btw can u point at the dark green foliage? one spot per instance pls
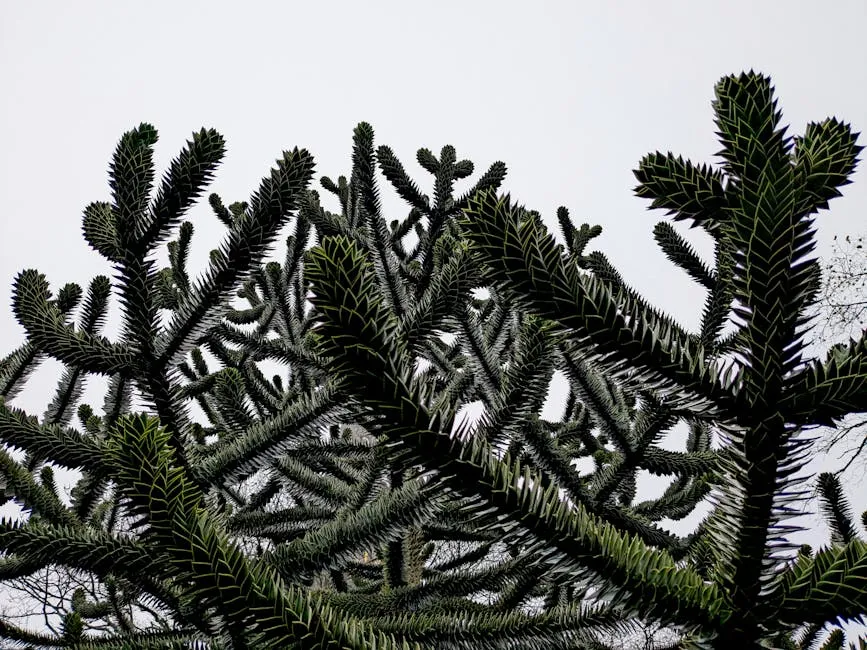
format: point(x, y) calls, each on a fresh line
point(342, 503)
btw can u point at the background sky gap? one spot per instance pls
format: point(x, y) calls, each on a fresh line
point(570, 95)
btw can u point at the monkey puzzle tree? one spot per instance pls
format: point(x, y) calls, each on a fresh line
point(345, 506)
point(747, 592)
point(287, 474)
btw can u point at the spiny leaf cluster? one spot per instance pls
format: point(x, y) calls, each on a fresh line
point(347, 502)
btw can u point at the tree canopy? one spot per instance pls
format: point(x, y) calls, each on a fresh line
point(344, 502)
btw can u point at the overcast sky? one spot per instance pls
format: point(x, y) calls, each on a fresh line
point(569, 94)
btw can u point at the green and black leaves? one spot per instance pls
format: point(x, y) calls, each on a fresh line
point(757, 208)
point(329, 490)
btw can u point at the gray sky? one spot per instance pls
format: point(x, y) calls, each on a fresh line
point(569, 94)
